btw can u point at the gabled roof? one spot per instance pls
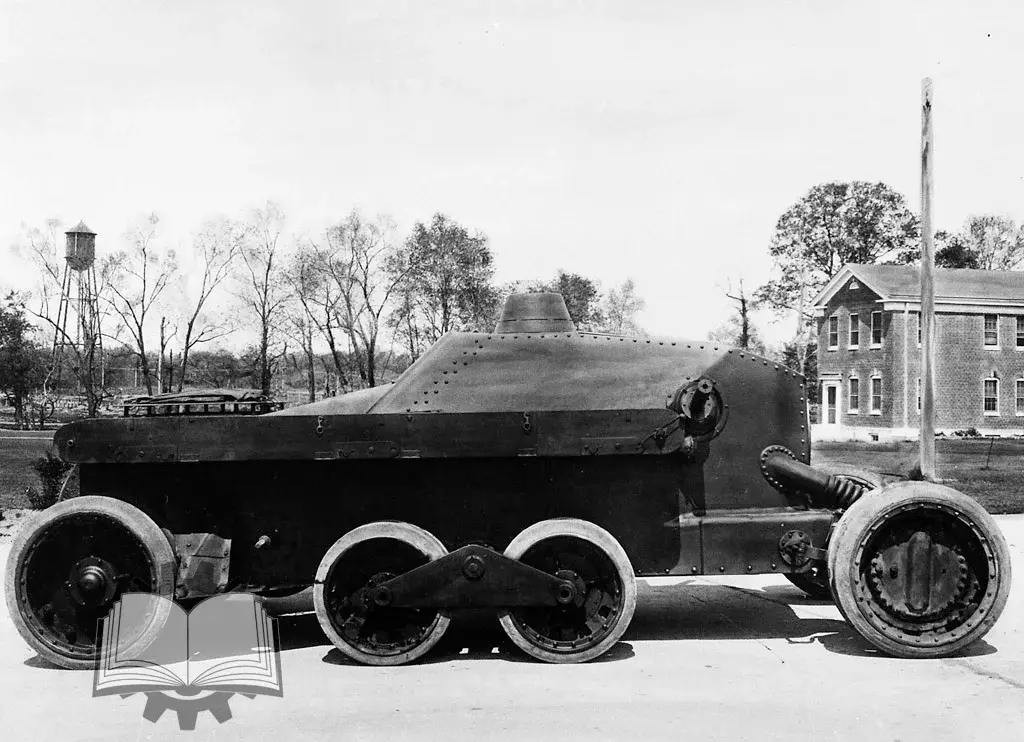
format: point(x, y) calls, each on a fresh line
point(80, 228)
point(952, 285)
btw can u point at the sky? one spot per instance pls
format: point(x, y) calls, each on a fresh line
point(658, 141)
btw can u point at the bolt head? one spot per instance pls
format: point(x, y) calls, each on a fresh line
point(473, 568)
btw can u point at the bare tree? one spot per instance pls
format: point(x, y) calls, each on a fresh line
point(164, 340)
point(218, 244)
point(621, 305)
point(738, 329)
point(355, 257)
point(302, 279)
point(304, 331)
point(319, 297)
point(264, 290)
point(138, 277)
point(405, 324)
point(345, 288)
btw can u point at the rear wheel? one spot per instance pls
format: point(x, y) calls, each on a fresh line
point(68, 567)
point(359, 561)
point(919, 569)
point(816, 582)
point(590, 557)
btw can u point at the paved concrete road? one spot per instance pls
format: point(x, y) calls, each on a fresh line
point(730, 659)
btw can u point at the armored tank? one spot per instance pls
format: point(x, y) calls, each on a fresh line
point(536, 471)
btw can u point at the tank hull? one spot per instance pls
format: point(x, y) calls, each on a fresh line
point(481, 437)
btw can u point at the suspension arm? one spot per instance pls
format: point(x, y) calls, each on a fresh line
point(473, 577)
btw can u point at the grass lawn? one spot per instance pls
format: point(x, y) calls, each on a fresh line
point(989, 470)
point(18, 449)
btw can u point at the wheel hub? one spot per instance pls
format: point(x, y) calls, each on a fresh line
point(574, 592)
point(919, 578)
point(92, 582)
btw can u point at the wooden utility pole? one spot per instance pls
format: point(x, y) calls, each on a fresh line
point(927, 287)
point(160, 358)
point(801, 325)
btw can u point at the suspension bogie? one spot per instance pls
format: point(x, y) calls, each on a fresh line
point(564, 590)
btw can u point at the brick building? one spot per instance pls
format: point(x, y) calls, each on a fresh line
point(869, 352)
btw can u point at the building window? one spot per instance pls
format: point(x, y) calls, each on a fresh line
point(991, 330)
point(919, 394)
point(833, 332)
point(855, 330)
point(876, 329)
point(1020, 396)
point(854, 396)
point(1020, 332)
point(876, 396)
point(918, 329)
point(991, 396)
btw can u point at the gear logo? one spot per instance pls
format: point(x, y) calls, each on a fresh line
point(187, 709)
point(188, 662)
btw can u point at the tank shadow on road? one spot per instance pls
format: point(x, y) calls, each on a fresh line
point(479, 649)
point(684, 611)
point(699, 611)
point(687, 611)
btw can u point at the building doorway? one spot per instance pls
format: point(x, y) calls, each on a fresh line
point(831, 403)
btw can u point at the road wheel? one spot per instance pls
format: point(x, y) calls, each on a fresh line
point(362, 559)
point(919, 569)
point(589, 556)
point(72, 562)
point(815, 582)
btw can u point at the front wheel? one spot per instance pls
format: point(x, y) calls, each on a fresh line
point(72, 563)
point(919, 569)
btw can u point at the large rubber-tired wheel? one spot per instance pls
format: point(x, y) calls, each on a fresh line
point(816, 584)
point(71, 563)
point(919, 569)
point(363, 558)
point(588, 555)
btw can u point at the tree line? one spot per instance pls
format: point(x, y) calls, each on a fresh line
point(353, 305)
point(346, 308)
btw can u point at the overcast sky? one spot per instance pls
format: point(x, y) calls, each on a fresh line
point(658, 141)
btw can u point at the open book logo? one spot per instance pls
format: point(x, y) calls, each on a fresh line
point(188, 661)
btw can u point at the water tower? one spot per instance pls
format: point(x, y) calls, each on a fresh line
point(78, 297)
